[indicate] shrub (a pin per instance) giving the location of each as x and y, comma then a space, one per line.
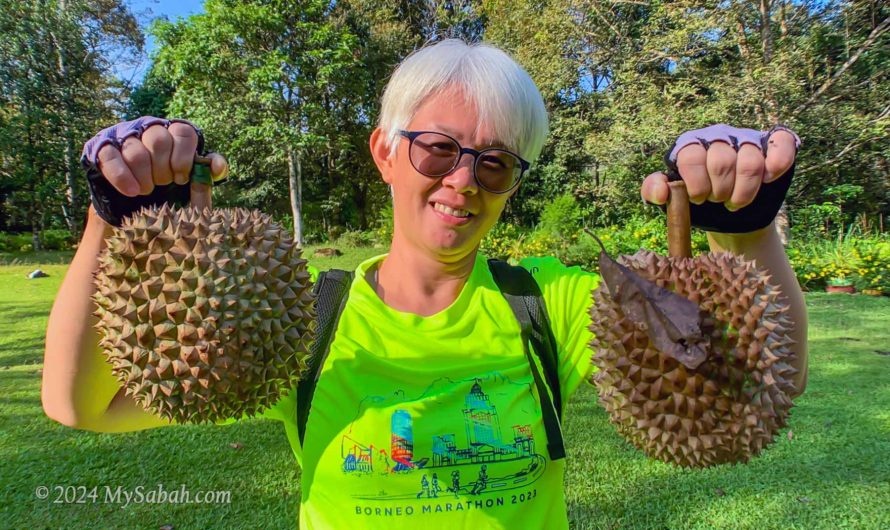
561, 217
503, 241
356, 238
15, 242
864, 260
56, 239
383, 227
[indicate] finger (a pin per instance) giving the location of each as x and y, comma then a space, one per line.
779, 155
655, 188
113, 168
721, 171
692, 165
219, 166
185, 142
748, 176
159, 143
138, 159
201, 195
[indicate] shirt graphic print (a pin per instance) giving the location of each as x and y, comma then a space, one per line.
487, 452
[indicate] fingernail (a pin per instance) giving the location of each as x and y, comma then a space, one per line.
730, 206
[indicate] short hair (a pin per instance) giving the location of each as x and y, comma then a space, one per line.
504, 94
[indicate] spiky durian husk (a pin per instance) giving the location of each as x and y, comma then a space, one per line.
204, 314
729, 408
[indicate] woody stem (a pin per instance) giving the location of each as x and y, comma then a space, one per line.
679, 235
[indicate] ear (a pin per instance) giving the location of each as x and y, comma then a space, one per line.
380, 152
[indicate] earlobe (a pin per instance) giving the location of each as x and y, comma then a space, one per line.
381, 154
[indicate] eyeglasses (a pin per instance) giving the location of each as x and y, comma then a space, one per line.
435, 155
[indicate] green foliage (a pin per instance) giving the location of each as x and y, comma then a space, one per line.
57, 89
56, 239
383, 226
561, 216
623, 79
814, 221
150, 98
356, 238
15, 242
863, 261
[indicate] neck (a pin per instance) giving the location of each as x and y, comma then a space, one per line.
418, 283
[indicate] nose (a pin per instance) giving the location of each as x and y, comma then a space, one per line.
461, 178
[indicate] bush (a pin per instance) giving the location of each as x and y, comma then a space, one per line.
56, 239
503, 241
561, 217
864, 260
15, 242
383, 227
356, 238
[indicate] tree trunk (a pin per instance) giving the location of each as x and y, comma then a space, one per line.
70, 206
295, 184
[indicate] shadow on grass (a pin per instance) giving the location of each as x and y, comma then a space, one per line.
838, 450
14, 313
260, 476
24, 353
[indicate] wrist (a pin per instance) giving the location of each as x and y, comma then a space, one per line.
96, 226
741, 243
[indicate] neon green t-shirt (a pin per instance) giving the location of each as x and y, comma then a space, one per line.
436, 419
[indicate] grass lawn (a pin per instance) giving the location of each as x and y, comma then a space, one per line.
831, 470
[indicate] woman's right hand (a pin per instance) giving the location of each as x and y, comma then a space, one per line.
147, 161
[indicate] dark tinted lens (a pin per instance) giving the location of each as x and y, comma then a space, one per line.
434, 154
498, 170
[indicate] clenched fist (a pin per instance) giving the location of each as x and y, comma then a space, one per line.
145, 162
736, 178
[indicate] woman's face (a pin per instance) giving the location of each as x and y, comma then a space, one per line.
419, 201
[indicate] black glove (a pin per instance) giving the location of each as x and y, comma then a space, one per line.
112, 205
714, 217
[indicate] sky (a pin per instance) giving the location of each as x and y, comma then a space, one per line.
146, 11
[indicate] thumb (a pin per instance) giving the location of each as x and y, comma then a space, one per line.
219, 166
201, 188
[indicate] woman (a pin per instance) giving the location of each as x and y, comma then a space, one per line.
426, 376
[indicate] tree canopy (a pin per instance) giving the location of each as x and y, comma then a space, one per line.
289, 91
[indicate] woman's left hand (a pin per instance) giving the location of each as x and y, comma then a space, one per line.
723, 164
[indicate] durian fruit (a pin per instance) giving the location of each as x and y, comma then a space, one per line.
205, 314
732, 404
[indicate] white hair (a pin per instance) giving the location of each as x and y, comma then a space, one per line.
503, 93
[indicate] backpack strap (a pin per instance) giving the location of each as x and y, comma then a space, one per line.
331, 291
523, 294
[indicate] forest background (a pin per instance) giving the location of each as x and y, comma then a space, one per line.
289, 91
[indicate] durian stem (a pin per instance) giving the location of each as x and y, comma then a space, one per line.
679, 228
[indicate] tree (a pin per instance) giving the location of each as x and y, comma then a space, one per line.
630, 76
56, 91
266, 80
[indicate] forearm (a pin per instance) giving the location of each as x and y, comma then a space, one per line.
765, 248
78, 388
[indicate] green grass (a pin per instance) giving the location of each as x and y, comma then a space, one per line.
834, 472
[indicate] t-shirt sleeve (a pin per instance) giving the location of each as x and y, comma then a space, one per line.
568, 296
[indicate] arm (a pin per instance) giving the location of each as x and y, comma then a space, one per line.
78, 388
765, 248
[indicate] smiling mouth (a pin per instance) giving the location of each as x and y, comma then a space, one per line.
463, 214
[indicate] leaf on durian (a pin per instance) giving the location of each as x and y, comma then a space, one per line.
672, 322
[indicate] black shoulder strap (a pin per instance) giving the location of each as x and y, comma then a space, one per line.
331, 291
524, 296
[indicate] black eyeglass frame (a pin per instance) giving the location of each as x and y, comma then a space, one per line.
523, 164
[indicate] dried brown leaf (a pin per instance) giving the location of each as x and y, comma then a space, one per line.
672, 322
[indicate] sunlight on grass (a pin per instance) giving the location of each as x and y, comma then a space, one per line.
831, 473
